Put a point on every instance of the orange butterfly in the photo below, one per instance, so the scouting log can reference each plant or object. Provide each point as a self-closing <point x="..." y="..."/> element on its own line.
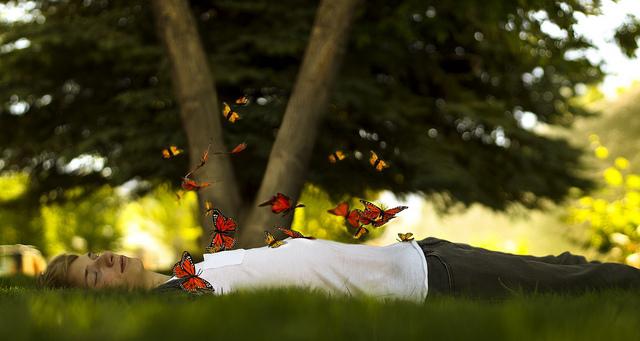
<point x="190" y="280"/>
<point x="244" y="100"/>
<point x="405" y="237"/>
<point x="361" y="231"/>
<point x="293" y="233"/>
<point x="336" y="156"/>
<point x="376" y="216"/>
<point x="191" y="185"/>
<point x="280" y="203"/>
<point x="377" y="162"/>
<point x="223" y="235"/>
<point x="342" y="210"/>
<point x="271" y="241"/>
<point x="170" y="152"/>
<point x="203" y="160"/>
<point x="237" y="149"/>
<point x="229" y="114"/>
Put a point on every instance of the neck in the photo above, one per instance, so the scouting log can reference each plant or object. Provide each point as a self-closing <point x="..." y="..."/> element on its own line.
<point x="154" y="279"/>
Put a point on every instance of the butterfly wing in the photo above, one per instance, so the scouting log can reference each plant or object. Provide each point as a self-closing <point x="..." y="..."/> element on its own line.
<point x="291" y="233"/>
<point x="242" y="146"/>
<point x="405" y="237"/>
<point x="282" y="203"/>
<point x="336" y="156"/>
<point x="196" y="284"/>
<point x="244" y="100"/>
<point x="342" y="210"/>
<point x="222" y="223"/>
<point x="354" y="218"/>
<point x="208" y="208"/>
<point x="394" y="211"/>
<point x="268" y="202"/>
<point x="185" y="267"/>
<point x="377" y="162"/>
<point x="271" y="241"/>
<point x="371" y="211"/>
<point x="361" y="231"/>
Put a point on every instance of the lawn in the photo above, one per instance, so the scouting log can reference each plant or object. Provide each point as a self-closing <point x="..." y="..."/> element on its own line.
<point x="29" y="313"/>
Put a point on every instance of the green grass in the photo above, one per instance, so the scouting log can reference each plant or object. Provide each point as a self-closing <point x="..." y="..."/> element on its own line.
<point x="28" y="313"/>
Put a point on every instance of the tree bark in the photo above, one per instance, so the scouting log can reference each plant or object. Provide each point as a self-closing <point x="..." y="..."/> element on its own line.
<point x="198" y="101"/>
<point x="287" y="166"/>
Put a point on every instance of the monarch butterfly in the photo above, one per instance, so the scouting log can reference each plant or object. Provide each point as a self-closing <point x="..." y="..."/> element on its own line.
<point x="203" y="160"/>
<point x="223" y="234"/>
<point x="377" y="162"/>
<point x="244" y="100"/>
<point x="237" y="149"/>
<point x="191" y="185"/>
<point x="208" y="208"/>
<point x="376" y="216"/>
<point x="271" y="241"/>
<point x="293" y="233"/>
<point x="172" y="151"/>
<point x="342" y="210"/>
<point x="229" y="114"/>
<point x="280" y="203"/>
<point x="405" y="237"/>
<point x="186" y="271"/>
<point x="336" y="156"/>
<point x="213" y="249"/>
<point x="361" y="231"/>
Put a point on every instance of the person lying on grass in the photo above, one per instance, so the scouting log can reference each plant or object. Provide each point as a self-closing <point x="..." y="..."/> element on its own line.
<point x="406" y="270"/>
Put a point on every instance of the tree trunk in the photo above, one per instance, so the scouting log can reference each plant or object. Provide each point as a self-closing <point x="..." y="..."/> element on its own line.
<point x="287" y="167"/>
<point x="198" y="101"/>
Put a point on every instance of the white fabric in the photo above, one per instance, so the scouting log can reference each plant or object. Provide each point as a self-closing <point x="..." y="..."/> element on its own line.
<point x="397" y="271"/>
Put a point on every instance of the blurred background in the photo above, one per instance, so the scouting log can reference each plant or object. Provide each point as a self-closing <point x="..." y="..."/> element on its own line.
<point x="508" y="125"/>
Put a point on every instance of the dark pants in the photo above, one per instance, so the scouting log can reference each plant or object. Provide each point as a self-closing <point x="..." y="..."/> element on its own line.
<point x="463" y="270"/>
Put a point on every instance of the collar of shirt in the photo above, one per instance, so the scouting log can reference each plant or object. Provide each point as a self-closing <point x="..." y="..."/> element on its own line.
<point x="224" y="258"/>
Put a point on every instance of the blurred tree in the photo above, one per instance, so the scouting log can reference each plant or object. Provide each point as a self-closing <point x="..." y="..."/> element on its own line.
<point x="612" y="213"/>
<point x="444" y="91"/>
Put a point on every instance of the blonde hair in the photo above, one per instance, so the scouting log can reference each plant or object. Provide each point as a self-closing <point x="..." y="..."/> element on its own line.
<point x="56" y="274"/>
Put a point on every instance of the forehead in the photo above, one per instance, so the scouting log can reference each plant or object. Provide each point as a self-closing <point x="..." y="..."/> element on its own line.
<point x="76" y="271"/>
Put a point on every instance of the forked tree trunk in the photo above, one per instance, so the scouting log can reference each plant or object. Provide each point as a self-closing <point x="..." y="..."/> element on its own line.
<point x="198" y="101"/>
<point x="287" y="167"/>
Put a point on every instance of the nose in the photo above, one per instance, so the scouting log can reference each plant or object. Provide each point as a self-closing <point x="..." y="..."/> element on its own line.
<point x="107" y="258"/>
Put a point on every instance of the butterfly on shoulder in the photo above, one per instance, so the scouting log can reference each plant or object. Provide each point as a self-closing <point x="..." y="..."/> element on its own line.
<point x="336" y="156"/>
<point x="377" y="163"/>
<point x="377" y="216"/>
<point x="271" y="241"/>
<point x="229" y="114"/>
<point x="280" y="203"/>
<point x="342" y="210"/>
<point x="293" y="233"/>
<point x="185" y="270"/>
<point x="171" y="151"/>
<point x="405" y="237"/>
<point x="223" y="233"/>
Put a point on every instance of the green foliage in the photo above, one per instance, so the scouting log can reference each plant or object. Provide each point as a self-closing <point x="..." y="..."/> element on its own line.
<point x="436" y="88"/>
<point x="314" y="220"/>
<point x="612" y="212"/>
<point x="155" y="222"/>
<point x="299" y="314"/>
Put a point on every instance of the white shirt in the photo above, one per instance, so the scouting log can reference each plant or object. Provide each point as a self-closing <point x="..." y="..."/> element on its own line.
<point x="397" y="271"/>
